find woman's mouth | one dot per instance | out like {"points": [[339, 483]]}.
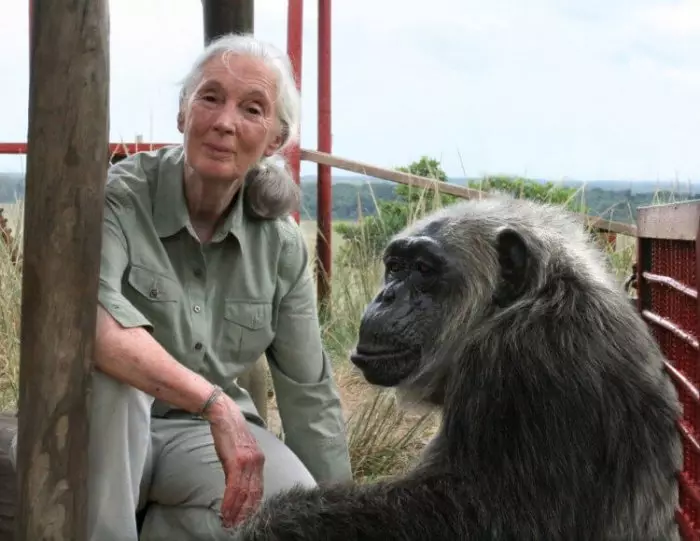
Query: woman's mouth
{"points": [[219, 149]]}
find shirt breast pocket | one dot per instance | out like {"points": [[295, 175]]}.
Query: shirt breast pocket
{"points": [[154, 295], [247, 329]]}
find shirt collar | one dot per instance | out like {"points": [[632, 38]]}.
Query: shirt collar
{"points": [[170, 213]]}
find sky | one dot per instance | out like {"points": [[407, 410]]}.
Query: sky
{"points": [[555, 89]]}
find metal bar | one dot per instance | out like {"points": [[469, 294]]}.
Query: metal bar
{"points": [[642, 293], [689, 437], [671, 221], [295, 33], [119, 149], [671, 327], [464, 192], [392, 175], [685, 527], [681, 381], [31, 27], [687, 488], [697, 280], [225, 16], [670, 282], [353, 166], [324, 206]]}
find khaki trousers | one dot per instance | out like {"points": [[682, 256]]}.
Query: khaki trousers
{"points": [[171, 464]]}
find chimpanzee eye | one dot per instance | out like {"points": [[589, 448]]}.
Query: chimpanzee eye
{"points": [[422, 267], [393, 265]]}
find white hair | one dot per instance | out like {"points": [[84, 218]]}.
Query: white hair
{"points": [[287, 100]]}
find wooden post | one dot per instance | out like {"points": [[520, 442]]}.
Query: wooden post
{"points": [[66, 174], [224, 16]]}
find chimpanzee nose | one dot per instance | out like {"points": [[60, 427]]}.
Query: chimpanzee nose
{"points": [[386, 295]]}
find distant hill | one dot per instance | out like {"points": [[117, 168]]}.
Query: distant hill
{"points": [[355, 195], [613, 201], [635, 186]]}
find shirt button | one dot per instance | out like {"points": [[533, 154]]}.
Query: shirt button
{"points": [[197, 309], [198, 346]]}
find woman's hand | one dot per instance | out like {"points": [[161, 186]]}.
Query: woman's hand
{"points": [[241, 459], [132, 356]]}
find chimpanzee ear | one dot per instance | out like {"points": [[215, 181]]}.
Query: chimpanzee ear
{"points": [[514, 263]]}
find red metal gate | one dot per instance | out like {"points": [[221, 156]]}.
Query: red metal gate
{"points": [[668, 280]]}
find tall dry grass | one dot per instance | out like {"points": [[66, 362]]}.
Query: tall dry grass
{"points": [[384, 438], [10, 311]]}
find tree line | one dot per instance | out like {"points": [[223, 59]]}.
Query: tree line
{"points": [[351, 200]]}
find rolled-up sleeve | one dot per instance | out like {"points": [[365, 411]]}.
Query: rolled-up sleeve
{"points": [[307, 396], [114, 262]]}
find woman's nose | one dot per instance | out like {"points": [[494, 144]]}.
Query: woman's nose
{"points": [[227, 120]]}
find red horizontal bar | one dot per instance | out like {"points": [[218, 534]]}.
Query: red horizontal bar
{"points": [[114, 148]]}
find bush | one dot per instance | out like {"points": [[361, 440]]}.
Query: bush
{"points": [[384, 438], [371, 233], [524, 188]]}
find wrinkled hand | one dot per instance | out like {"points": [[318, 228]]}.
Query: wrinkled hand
{"points": [[241, 459]]}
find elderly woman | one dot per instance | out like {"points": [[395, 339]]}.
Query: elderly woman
{"points": [[195, 285]]}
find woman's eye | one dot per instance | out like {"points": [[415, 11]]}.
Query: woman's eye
{"points": [[253, 108]]}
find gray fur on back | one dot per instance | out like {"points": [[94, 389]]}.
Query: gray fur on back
{"points": [[558, 417]]}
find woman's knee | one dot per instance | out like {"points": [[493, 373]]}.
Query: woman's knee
{"points": [[283, 469], [182, 523]]}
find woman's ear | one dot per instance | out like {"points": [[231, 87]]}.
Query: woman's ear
{"points": [[181, 122], [276, 143], [273, 146]]}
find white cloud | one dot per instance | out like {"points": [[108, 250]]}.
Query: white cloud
{"points": [[675, 20], [553, 88]]}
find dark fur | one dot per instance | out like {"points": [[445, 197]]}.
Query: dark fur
{"points": [[558, 420]]}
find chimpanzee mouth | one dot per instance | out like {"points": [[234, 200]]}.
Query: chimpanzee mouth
{"points": [[383, 352], [385, 366]]}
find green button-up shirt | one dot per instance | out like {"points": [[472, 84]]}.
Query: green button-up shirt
{"points": [[216, 307]]}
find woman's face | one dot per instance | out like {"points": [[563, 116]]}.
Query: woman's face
{"points": [[229, 121]]}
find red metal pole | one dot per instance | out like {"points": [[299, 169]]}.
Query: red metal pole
{"points": [[295, 32], [324, 206]]}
